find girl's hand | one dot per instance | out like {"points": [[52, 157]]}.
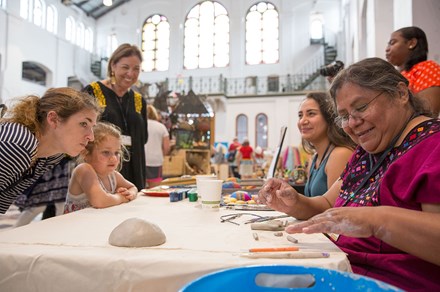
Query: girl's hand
{"points": [[126, 193]]}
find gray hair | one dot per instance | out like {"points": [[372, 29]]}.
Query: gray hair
{"points": [[378, 75]]}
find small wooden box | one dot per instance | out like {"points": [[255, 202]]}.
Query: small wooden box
{"points": [[173, 166]]}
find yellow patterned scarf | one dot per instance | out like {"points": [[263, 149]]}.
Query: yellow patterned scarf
{"points": [[102, 102]]}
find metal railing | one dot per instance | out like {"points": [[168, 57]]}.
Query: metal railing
{"points": [[254, 85], [305, 78]]}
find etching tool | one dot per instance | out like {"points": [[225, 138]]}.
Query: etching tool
{"points": [[271, 249], [267, 218], [292, 239], [287, 255]]}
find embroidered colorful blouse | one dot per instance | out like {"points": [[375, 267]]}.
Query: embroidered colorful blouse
{"points": [[407, 178]]}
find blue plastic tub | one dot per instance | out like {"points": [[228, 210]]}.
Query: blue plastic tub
{"points": [[284, 278]]}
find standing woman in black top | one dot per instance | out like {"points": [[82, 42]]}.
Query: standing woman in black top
{"points": [[125, 108]]}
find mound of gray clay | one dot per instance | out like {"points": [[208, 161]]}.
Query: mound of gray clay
{"points": [[135, 232]]}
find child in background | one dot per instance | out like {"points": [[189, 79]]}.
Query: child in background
{"points": [[245, 159], [96, 182]]}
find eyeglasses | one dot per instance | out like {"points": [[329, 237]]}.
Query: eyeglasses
{"points": [[357, 113]]}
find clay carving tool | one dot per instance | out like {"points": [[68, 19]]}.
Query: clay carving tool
{"points": [[286, 255], [273, 249]]}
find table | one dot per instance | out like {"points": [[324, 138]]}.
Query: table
{"points": [[71, 252]]}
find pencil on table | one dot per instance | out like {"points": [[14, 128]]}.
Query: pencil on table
{"points": [[269, 249]]}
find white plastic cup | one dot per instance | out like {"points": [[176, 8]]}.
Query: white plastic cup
{"points": [[211, 193], [201, 177]]}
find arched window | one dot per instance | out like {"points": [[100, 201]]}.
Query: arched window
{"points": [[112, 44], [156, 43], [261, 131], [262, 41], [38, 13], [206, 43], [52, 19], [316, 28], [80, 35], [25, 6], [88, 39], [241, 127], [34, 72], [70, 29]]}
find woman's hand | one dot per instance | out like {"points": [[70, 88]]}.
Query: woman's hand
{"points": [[353, 222], [278, 195]]}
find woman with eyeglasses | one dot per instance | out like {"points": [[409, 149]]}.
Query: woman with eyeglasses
{"points": [[96, 181], [384, 211], [407, 49], [330, 146]]}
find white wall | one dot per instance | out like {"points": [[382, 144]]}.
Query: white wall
{"points": [[426, 16], [21, 40], [383, 27], [402, 10]]}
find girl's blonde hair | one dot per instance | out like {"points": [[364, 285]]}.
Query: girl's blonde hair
{"points": [[101, 131]]}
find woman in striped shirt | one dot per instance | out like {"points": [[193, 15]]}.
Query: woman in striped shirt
{"points": [[37, 132]]}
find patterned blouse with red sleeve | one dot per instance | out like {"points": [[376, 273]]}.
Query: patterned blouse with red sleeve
{"points": [[423, 75]]}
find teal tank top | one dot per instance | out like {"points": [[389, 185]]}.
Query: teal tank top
{"points": [[316, 184]]}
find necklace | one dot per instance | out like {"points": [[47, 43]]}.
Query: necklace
{"points": [[314, 170], [113, 87], [103, 185], [324, 154]]}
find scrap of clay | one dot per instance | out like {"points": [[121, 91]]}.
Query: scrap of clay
{"points": [[273, 225], [135, 232]]}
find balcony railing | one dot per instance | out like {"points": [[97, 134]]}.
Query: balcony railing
{"points": [[306, 77], [252, 85]]}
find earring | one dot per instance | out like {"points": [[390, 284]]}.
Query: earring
{"points": [[410, 47], [112, 78]]}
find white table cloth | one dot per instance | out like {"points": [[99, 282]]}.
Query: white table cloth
{"points": [[71, 252]]}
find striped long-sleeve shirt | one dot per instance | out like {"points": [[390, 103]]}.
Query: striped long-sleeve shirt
{"points": [[18, 148]]}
